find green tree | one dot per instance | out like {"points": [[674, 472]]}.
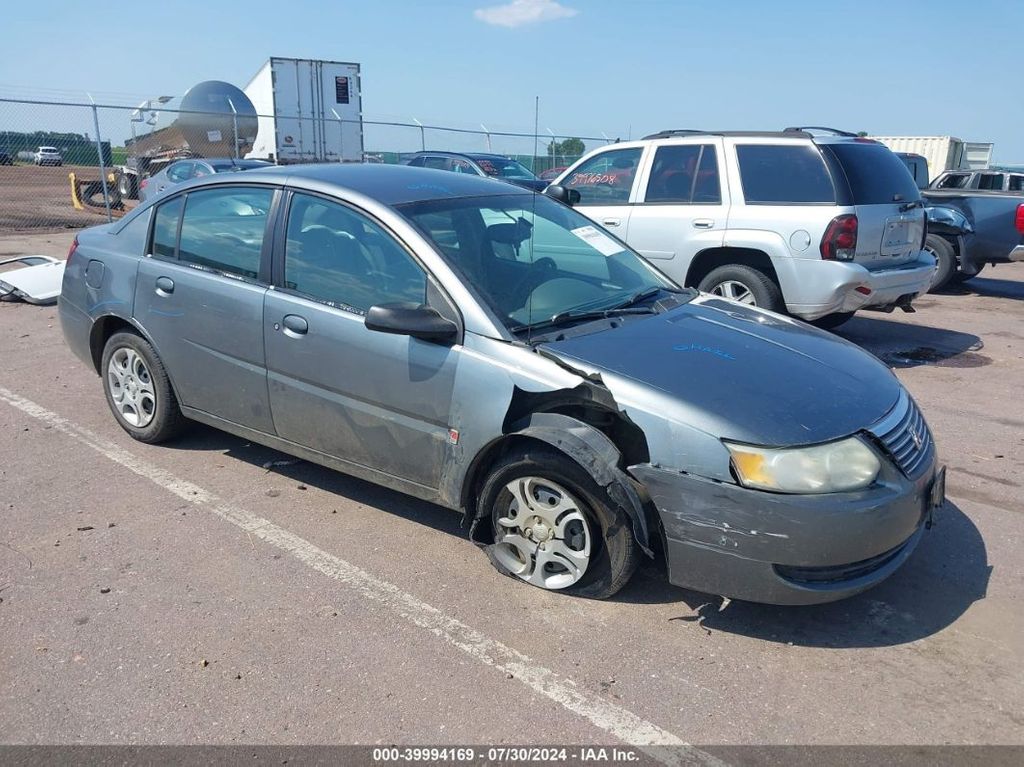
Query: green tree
{"points": [[571, 147]]}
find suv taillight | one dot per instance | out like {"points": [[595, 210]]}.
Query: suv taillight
{"points": [[1019, 220], [72, 249], [840, 240]]}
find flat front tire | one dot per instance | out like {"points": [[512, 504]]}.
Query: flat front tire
{"points": [[555, 527], [138, 390]]}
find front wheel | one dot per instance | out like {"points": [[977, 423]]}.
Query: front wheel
{"points": [[744, 284], [945, 257], [138, 390], [555, 527]]}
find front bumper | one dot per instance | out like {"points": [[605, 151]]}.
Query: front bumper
{"points": [[839, 286], [787, 549]]}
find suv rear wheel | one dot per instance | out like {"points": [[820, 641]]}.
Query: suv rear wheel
{"points": [[744, 284]]}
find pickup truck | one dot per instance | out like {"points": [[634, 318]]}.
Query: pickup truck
{"points": [[969, 229], [990, 180]]}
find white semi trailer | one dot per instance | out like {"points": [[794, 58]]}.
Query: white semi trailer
{"points": [[942, 152], [308, 111]]}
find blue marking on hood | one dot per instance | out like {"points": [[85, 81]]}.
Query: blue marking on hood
{"points": [[701, 348]]}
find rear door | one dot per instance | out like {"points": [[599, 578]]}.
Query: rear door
{"points": [[606, 183], [889, 231], [199, 295], [683, 205]]}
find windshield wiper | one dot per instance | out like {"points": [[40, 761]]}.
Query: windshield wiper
{"points": [[566, 318], [642, 295]]}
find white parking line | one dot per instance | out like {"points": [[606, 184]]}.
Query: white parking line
{"points": [[613, 719]]}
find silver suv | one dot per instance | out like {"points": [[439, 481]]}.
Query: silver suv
{"points": [[814, 222]]}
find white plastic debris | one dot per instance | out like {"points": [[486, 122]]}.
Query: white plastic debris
{"points": [[37, 282]]}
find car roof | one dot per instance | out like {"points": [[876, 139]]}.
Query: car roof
{"points": [[387, 184], [470, 155]]}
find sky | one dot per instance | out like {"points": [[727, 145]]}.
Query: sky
{"points": [[622, 68]]}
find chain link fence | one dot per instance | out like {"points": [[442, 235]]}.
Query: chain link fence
{"points": [[67, 165]]}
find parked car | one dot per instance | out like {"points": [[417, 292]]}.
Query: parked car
{"points": [[968, 229], [819, 226], [492, 165], [47, 155], [493, 351], [552, 173], [183, 170], [5, 158], [982, 180]]}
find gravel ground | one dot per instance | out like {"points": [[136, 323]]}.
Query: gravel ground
{"points": [[187, 594]]}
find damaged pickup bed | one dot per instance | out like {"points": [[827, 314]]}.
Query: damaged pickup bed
{"points": [[495, 352]]}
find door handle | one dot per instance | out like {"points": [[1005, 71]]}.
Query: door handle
{"points": [[294, 325], [164, 286], [703, 223], [611, 221]]}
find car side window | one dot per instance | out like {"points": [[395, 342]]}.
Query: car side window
{"points": [[337, 255], [222, 229], [440, 163], [165, 227], [684, 175], [605, 179], [990, 181], [1016, 184], [461, 166], [954, 181], [783, 174], [180, 171]]}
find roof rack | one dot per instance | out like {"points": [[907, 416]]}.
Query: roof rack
{"points": [[676, 132], [822, 129]]}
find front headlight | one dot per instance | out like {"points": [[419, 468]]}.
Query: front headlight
{"points": [[833, 468]]}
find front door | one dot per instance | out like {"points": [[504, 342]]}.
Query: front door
{"points": [[378, 400], [605, 183]]}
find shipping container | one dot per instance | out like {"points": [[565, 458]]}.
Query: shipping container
{"points": [[942, 152], [309, 111]]}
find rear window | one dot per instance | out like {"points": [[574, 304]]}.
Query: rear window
{"points": [[780, 174], [876, 176]]}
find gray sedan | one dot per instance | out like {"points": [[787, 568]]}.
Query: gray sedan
{"points": [[184, 170], [493, 351]]}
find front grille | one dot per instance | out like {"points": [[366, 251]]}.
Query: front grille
{"points": [[905, 436]]}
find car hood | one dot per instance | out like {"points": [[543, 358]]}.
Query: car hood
{"points": [[737, 373]]}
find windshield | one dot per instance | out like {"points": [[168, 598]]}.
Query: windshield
{"points": [[532, 259], [501, 167]]}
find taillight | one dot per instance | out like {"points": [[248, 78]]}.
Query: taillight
{"points": [[72, 249], [1019, 220], [840, 240]]}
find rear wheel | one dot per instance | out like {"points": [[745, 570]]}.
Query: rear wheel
{"points": [[126, 186], [945, 256], [555, 527], [744, 284], [138, 390]]}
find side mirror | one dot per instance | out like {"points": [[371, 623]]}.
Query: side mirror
{"points": [[407, 319], [562, 194]]}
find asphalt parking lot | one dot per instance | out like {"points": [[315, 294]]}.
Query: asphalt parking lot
{"points": [[215, 591]]}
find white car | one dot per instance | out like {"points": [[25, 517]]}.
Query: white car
{"points": [[48, 155], [818, 226]]}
